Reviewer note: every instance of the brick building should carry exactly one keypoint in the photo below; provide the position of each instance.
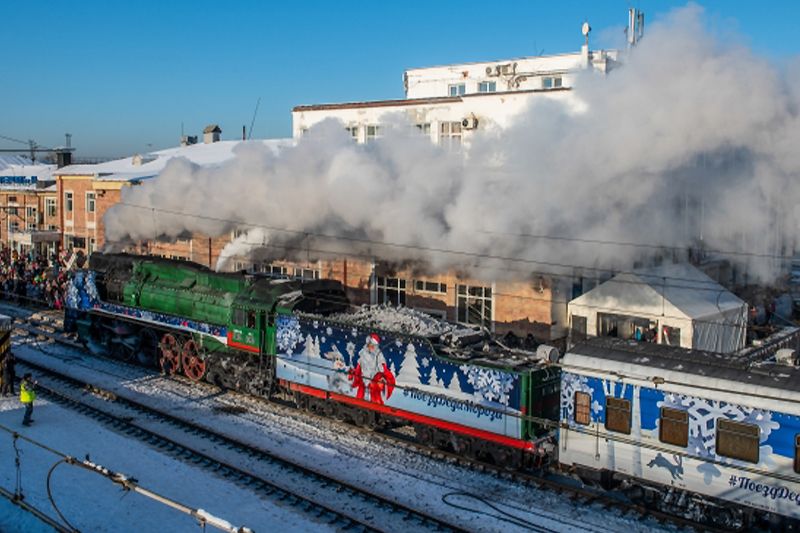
(28, 206)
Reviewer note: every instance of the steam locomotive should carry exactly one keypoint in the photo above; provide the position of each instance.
(293, 339)
(713, 437)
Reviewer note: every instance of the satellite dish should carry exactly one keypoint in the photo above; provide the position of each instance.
(585, 29)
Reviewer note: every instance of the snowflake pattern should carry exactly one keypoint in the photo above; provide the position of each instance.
(570, 384)
(489, 384)
(703, 415)
(288, 334)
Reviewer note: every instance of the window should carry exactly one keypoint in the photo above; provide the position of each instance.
(624, 326)
(450, 134)
(52, 227)
(797, 454)
(474, 305)
(674, 427)
(671, 336)
(13, 226)
(30, 212)
(306, 273)
(582, 401)
(391, 291)
(430, 286)
(353, 131)
(551, 82)
(251, 319)
(737, 440)
(457, 89)
(31, 226)
(90, 202)
(425, 128)
(50, 206)
(275, 271)
(487, 87)
(578, 328)
(373, 132)
(90, 246)
(12, 199)
(12, 210)
(68, 201)
(238, 317)
(618, 415)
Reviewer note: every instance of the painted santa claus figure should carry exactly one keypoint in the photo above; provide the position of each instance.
(371, 378)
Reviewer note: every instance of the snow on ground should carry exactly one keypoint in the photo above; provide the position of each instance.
(91, 502)
(363, 459)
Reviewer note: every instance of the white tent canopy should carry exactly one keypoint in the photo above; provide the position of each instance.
(677, 300)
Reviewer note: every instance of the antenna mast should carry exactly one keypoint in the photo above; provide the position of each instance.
(250, 133)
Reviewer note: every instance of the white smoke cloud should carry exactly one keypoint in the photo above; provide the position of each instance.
(692, 139)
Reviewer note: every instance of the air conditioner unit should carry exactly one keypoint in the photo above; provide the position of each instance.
(469, 123)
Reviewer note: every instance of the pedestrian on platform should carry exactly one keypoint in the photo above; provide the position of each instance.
(9, 375)
(26, 395)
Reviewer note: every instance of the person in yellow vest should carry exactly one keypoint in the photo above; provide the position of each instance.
(26, 395)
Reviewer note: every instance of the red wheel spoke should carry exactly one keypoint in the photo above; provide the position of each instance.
(170, 354)
(194, 366)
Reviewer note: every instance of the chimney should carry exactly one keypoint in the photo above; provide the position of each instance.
(211, 134)
(63, 157)
(188, 140)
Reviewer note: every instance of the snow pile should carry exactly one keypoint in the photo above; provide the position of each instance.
(402, 320)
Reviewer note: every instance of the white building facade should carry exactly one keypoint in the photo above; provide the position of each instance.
(450, 103)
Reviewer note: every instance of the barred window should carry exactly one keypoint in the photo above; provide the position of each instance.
(582, 401)
(737, 440)
(618, 415)
(674, 427)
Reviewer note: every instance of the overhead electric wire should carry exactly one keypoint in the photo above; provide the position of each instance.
(427, 249)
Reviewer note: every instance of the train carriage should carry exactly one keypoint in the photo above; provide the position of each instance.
(701, 433)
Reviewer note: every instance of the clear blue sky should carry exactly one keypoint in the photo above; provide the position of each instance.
(123, 76)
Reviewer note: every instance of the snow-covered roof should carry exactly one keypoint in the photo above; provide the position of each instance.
(142, 166)
(25, 173)
(680, 285)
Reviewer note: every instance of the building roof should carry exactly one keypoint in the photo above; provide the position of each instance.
(680, 285)
(212, 128)
(151, 164)
(417, 101)
(19, 172)
(627, 357)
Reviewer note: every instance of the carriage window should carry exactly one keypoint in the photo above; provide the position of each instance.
(797, 453)
(618, 415)
(674, 427)
(238, 317)
(251, 319)
(737, 440)
(582, 408)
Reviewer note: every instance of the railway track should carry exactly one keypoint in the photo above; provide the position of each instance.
(558, 484)
(278, 479)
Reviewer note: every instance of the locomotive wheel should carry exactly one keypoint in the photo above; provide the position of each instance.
(170, 354)
(148, 348)
(194, 366)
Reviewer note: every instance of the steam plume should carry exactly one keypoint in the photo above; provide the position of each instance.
(691, 140)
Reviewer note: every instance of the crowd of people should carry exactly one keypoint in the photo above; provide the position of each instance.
(32, 278)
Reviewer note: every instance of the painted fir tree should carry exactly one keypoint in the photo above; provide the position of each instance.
(455, 384)
(434, 379)
(409, 369)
